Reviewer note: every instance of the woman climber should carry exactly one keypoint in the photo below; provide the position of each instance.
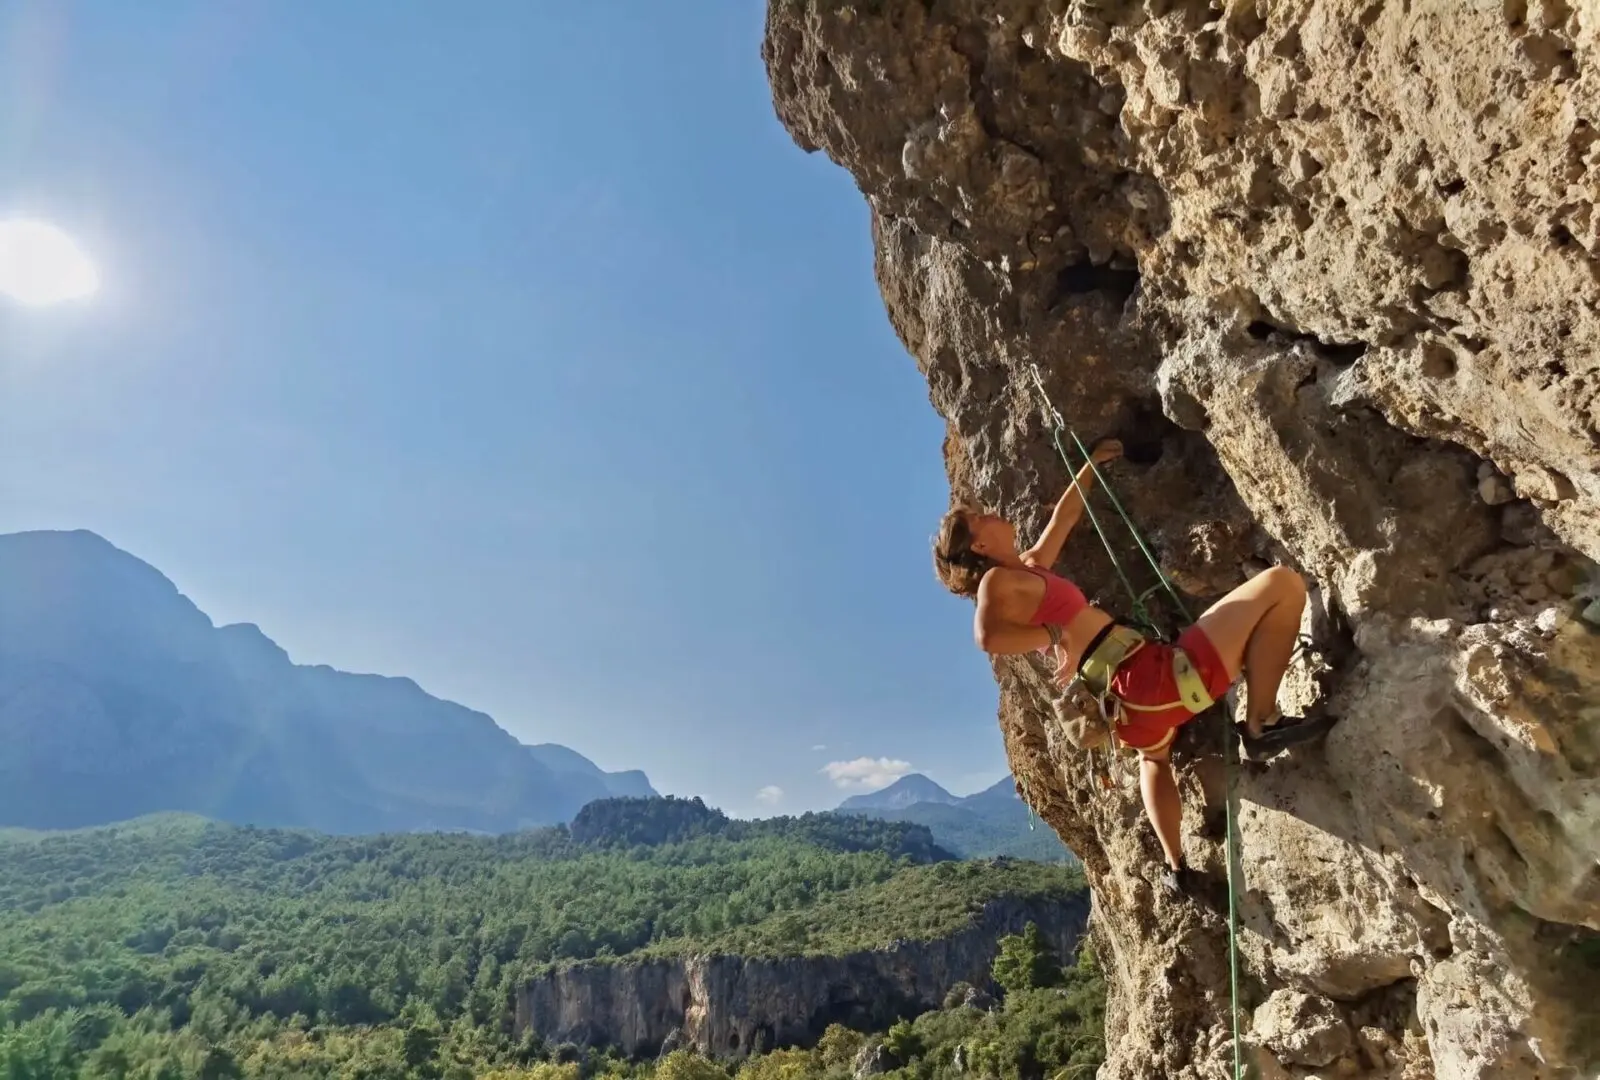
(1024, 607)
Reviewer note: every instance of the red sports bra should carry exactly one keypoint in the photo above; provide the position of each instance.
(1062, 599)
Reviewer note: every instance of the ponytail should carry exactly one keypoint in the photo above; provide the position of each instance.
(956, 565)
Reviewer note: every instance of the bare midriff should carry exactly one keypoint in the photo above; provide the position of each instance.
(1077, 634)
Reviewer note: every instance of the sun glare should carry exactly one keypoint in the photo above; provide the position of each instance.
(40, 264)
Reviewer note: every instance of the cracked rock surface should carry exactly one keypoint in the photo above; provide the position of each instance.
(1331, 270)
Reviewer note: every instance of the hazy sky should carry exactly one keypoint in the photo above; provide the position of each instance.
(512, 346)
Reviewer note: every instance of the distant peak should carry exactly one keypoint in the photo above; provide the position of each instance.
(244, 629)
(917, 780)
(906, 791)
(76, 542)
(73, 543)
(61, 565)
(183, 715)
(247, 639)
(82, 534)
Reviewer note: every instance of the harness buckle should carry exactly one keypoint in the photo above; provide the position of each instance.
(1191, 687)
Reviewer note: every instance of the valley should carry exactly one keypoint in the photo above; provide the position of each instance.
(174, 946)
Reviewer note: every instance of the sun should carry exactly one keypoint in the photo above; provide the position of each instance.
(40, 264)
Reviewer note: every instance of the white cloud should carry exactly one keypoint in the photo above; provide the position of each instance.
(772, 794)
(866, 773)
(817, 749)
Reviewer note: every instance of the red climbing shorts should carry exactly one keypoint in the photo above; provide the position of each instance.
(1144, 682)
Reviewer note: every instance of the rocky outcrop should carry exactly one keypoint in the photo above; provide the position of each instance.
(730, 1006)
(1329, 268)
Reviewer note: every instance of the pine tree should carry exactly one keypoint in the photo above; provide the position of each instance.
(1026, 962)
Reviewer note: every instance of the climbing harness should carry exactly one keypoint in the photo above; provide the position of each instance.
(1106, 653)
(1190, 685)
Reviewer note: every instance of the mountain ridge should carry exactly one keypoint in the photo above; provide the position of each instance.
(990, 822)
(120, 697)
(563, 760)
(908, 790)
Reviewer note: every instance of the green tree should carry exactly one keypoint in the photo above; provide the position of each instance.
(1026, 962)
(172, 950)
(420, 1049)
(839, 1046)
(219, 1064)
(904, 1042)
(781, 1065)
(689, 1065)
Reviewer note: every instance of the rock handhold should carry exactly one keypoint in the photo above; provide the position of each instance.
(1303, 1030)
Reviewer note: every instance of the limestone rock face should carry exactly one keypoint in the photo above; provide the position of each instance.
(731, 1006)
(1302, 1029)
(1331, 270)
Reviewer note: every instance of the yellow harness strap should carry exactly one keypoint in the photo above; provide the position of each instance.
(1099, 666)
(1121, 643)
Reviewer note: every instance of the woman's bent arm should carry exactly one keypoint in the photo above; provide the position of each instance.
(1011, 640)
(1069, 509)
(995, 624)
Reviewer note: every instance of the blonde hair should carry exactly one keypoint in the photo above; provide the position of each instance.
(957, 566)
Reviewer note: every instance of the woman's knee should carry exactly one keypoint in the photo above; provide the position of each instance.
(1285, 582)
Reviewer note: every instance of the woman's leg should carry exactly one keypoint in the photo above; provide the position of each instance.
(1162, 802)
(1254, 629)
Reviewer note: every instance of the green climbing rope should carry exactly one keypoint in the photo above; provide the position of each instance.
(1141, 612)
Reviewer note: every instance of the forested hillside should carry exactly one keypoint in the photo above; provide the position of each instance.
(177, 947)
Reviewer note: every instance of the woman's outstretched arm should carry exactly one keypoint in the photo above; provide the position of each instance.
(1069, 508)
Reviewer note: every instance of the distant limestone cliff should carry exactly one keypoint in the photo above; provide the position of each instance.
(731, 1006)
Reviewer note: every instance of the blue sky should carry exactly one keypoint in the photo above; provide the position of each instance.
(512, 346)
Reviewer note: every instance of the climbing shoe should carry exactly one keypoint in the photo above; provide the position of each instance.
(1180, 882)
(1288, 731)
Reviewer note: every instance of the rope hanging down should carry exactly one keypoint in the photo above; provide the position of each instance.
(1059, 425)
